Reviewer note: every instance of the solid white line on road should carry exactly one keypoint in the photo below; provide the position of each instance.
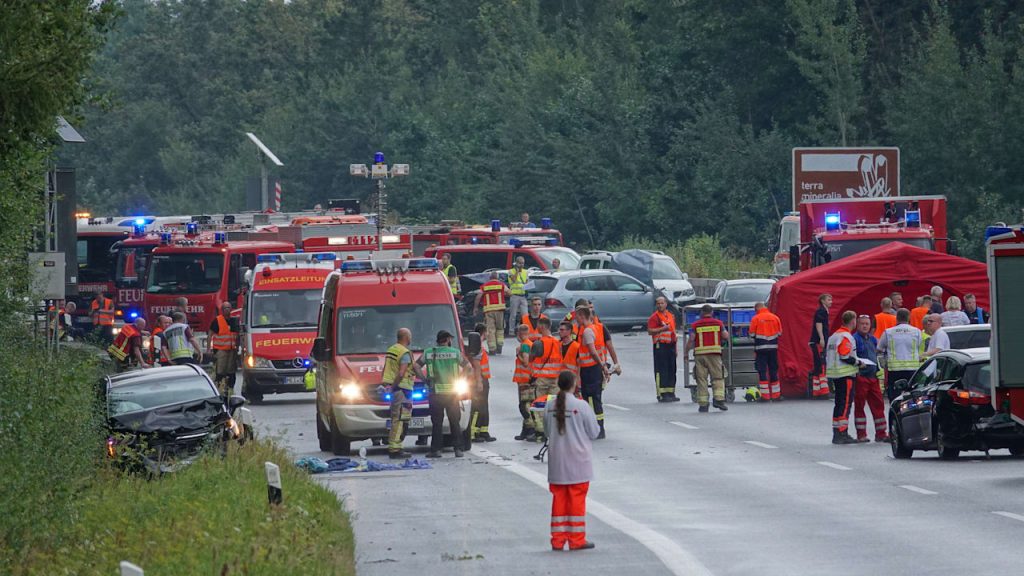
(678, 561)
(835, 466)
(918, 490)
(684, 425)
(760, 444)
(616, 407)
(1009, 515)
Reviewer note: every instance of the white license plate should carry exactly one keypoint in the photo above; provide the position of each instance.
(420, 422)
(293, 380)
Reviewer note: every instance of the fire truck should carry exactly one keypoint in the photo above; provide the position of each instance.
(498, 234)
(207, 271)
(833, 229)
(279, 320)
(1005, 254)
(359, 246)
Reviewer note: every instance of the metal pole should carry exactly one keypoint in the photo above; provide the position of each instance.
(264, 190)
(381, 212)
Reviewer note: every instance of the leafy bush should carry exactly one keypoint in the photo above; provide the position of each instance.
(701, 256)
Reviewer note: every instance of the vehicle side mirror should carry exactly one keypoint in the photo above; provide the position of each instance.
(794, 258)
(319, 351)
(710, 300)
(234, 403)
(473, 343)
(646, 288)
(686, 276)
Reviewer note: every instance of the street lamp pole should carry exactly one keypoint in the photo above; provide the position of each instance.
(379, 171)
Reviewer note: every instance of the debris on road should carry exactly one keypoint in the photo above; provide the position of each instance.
(315, 465)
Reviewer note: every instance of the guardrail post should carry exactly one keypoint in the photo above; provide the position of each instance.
(274, 492)
(129, 569)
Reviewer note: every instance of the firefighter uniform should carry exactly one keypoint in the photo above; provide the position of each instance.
(664, 355)
(179, 351)
(442, 367)
(493, 293)
(452, 274)
(102, 312)
(480, 406)
(527, 391)
(867, 391)
(224, 341)
(532, 324)
(122, 349)
(156, 351)
(766, 328)
(517, 279)
(591, 375)
(401, 404)
(545, 366)
(840, 368)
(902, 345)
(707, 356)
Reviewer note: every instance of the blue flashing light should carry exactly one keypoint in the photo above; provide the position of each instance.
(474, 240)
(268, 258)
(913, 218)
(144, 220)
(545, 223)
(832, 221)
(356, 266)
(378, 158)
(133, 314)
(307, 363)
(323, 256)
(417, 395)
(140, 221)
(165, 238)
(191, 229)
(220, 238)
(551, 242)
(515, 242)
(423, 264)
(138, 229)
(996, 231)
(387, 397)
(495, 225)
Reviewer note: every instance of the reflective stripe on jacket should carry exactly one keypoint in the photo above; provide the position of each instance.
(224, 338)
(665, 318)
(903, 345)
(548, 364)
(570, 356)
(708, 334)
(586, 359)
(493, 293)
(765, 328)
(392, 365)
(103, 318)
(521, 375)
(517, 281)
(177, 345)
(119, 348)
(835, 352)
(533, 325)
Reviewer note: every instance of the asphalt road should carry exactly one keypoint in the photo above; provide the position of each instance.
(757, 490)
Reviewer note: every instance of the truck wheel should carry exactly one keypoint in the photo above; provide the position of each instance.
(250, 393)
(322, 434)
(341, 445)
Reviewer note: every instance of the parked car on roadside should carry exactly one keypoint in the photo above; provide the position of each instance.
(947, 406)
(620, 300)
(653, 267)
(161, 419)
(742, 292)
(968, 336)
(539, 285)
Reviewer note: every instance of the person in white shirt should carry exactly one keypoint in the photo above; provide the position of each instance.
(939, 340)
(954, 315)
(571, 427)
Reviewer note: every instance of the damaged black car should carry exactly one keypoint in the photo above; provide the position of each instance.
(161, 419)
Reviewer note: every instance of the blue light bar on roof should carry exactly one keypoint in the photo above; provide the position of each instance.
(832, 221)
(220, 238)
(913, 218)
(423, 264)
(545, 223)
(997, 231)
(191, 229)
(515, 242)
(138, 229)
(322, 256)
(165, 238)
(356, 266)
(495, 225)
(268, 258)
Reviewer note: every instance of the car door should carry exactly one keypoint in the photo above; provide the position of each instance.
(581, 286)
(636, 302)
(605, 298)
(916, 403)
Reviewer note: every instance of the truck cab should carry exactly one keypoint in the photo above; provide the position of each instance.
(279, 321)
(363, 306)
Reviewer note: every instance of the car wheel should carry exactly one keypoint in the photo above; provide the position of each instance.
(322, 434)
(899, 451)
(945, 451)
(250, 393)
(341, 445)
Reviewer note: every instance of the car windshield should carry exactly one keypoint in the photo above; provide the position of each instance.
(964, 339)
(285, 308)
(666, 269)
(789, 235)
(977, 378)
(185, 273)
(128, 398)
(370, 330)
(568, 259)
(132, 262)
(841, 248)
(592, 264)
(95, 261)
(746, 293)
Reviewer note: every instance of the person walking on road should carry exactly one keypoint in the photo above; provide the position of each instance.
(593, 372)
(841, 366)
(180, 344)
(662, 328)
(399, 373)
(573, 426)
(224, 348)
(518, 276)
(708, 335)
(866, 388)
(523, 380)
(819, 331)
(492, 298)
(443, 365)
(480, 409)
(766, 329)
(901, 345)
(976, 313)
(545, 365)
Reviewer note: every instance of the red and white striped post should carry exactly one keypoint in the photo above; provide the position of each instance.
(277, 196)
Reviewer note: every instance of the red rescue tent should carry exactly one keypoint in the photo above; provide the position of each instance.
(859, 283)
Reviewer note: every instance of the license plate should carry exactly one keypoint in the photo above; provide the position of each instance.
(293, 380)
(420, 422)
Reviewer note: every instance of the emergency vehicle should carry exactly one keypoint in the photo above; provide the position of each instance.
(359, 246)
(498, 234)
(279, 321)
(96, 262)
(472, 259)
(364, 305)
(1005, 252)
(207, 271)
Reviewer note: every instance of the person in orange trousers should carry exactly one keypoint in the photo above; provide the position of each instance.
(571, 427)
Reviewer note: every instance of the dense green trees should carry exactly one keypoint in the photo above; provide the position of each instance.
(637, 117)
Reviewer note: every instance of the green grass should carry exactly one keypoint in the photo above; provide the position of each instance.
(702, 256)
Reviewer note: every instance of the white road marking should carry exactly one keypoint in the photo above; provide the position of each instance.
(1009, 515)
(678, 561)
(760, 444)
(617, 407)
(835, 466)
(684, 425)
(918, 490)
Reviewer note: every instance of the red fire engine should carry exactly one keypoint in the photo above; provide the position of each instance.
(1005, 247)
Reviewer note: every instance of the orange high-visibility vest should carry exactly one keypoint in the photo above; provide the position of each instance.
(548, 365)
(534, 333)
(103, 318)
(665, 318)
(224, 339)
(485, 365)
(586, 359)
(119, 348)
(521, 376)
(570, 356)
(765, 328)
(152, 347)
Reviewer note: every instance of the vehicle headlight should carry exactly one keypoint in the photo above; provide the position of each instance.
(258, 362)
(461, 387)
(350, 391)
(688, 292)
(116, 331)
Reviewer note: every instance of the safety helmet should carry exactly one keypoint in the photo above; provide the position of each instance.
(752, 394)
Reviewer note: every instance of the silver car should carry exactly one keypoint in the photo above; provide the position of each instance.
(620, 300)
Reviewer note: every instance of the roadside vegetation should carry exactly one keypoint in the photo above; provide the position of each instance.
(703, 256)
(67, 511)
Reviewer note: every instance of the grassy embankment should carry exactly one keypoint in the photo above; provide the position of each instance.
(66, 511)
(702, 256)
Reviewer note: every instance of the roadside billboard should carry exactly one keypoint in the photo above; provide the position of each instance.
(838, 173)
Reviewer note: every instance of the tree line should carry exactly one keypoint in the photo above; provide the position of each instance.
(616, 118)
